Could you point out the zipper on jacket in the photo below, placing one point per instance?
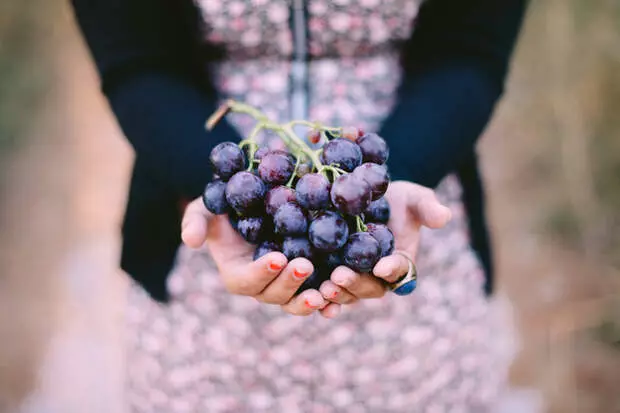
(299, 64)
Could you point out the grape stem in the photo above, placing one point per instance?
(290, 181)
(285, 131)
(359, 223)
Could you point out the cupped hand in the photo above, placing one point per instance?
(411, 207)
(271, 279)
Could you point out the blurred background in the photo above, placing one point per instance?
(551, 161)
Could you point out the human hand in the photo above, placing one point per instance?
(411, 207)
(271, 279)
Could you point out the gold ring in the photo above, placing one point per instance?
(408, 282)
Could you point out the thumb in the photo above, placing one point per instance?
(426, 208)
(194, 224)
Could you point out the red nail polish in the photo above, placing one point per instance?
(308, 304)
(299, 274)
(274, 266)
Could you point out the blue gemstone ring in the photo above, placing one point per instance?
(408, 282)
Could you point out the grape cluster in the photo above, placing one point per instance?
(326, 205)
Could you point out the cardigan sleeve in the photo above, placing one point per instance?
(455, 65)
(150, 61)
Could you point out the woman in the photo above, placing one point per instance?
(426, 76)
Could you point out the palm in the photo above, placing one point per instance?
(225, 244)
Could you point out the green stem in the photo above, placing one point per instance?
(290, 181)
(284, 131)
(359, 223)
(288, 130)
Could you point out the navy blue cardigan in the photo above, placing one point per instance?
(151, 59)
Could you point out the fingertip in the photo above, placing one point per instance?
(274, 261)
(313, 299)
(382, 268)
(329, 290)
(302, 267)
(331, 311)
(193, 235)
(343, 276)
(433, 214)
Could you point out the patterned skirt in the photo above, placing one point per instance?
(445, 348)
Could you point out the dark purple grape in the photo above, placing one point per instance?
(332, 260)
(351, 194)
(312, 192)
(290, 219)
(378, 211)
(260, 153)
(304, 169)
(295, 247)
(314, 281)
(276, 168)
(214, 197)
(277, 197)
(328, 232)
(245, 192)
(377, 177)
(342, 152)
(384, 236)
(361, 252)
(250, 228)
(227, 159)
(374, 148)
(265, 248)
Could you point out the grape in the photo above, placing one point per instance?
(351, 133)
(304, 169)
(227, 159)
(378, 211)
(277, 197)
(265, 248)
(351, 194)
(342, 152)
(250, 228)
(314, 136)
(245, 192)
(384, 237)
(290, 219)
(214, 197)
(276, 168)
(374, 148)
(328, 232)
(361, 252)
(295, 247)
(332, 260)
(377, 177)
(312, 192)
(260, 153)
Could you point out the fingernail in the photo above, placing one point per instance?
(311, 305)
(275, 266)
(299, 274)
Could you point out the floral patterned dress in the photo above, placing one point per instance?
(441, 349)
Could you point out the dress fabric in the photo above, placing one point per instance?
(441, 349)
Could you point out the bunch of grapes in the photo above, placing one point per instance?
(326, 205)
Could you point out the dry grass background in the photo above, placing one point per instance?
(551, 160)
